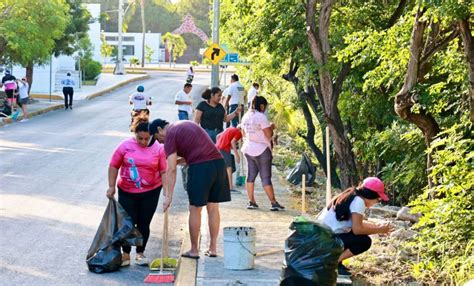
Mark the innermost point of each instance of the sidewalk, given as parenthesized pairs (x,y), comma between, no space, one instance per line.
(271,229)
(41,103)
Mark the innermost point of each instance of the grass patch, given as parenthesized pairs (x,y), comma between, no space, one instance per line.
(89,82)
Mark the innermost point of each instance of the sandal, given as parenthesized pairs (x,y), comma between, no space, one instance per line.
(208,253)
(188,255)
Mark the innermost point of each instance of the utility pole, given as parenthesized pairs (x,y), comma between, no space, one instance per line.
(119,65)
(215,39)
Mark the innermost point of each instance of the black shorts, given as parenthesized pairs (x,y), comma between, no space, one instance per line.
(207,182)
(229,159)
(355,243)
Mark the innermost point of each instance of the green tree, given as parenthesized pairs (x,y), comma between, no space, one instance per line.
(106,50)
(28,30)
(148,53)
(175,45)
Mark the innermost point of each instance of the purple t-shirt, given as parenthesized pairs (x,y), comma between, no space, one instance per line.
(190,142)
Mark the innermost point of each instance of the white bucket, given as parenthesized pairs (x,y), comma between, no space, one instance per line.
(239,247)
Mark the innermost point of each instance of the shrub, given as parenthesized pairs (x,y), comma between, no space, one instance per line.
(91,69)
(445,241)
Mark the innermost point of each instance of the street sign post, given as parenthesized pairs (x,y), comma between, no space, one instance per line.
(215,53)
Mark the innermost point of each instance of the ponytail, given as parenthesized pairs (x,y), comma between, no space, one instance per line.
(342,202)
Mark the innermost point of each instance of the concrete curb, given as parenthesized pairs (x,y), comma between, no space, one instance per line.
(186,270)
(107,90)
(33,113)
(46,96)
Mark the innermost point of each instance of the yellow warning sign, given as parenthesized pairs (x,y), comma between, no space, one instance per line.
(214,53)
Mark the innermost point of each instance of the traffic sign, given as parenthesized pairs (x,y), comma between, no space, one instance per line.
(233,58)
(215,53)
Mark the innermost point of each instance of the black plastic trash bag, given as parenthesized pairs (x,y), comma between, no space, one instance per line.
(304,166)
(115,229)
(311,254)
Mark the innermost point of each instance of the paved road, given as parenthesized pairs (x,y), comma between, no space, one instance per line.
(53,173)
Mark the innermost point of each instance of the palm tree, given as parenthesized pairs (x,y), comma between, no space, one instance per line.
(175,45)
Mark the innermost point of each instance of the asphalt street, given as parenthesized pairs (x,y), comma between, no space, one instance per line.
(53,179)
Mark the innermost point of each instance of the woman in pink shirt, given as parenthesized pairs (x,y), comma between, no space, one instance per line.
(257,133)
(139,185)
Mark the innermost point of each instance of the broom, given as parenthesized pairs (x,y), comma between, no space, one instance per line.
(161,277)
(240,178)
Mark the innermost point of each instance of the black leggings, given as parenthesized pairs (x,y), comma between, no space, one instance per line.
(141,207)
(355,243)
(68,94)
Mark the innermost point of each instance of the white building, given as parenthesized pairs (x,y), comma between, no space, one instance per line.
(132,45)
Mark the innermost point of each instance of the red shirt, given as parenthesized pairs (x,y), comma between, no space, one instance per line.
(190,141)
(225,139)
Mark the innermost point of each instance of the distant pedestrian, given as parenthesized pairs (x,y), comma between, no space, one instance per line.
(142,170)
(257,134)
(253,91)
(345,216)
(207,180)
(235,98)
(189,75)
(184,102)
(226,141)
(23,97)
(210,113)
(68,91)
(140,102)
(9,86)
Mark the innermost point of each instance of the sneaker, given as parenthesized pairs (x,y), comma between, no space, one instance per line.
(24,120)
(70,107)
(234,191)
(65,107)
(277,207)
(343,271)
(252,206)
(141,259)
(125,259)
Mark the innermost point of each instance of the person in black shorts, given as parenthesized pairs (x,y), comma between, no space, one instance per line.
(207,183)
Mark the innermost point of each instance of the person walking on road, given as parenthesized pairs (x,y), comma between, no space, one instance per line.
(184,102)
(235,98)
(142,170)
(257,134)
(68,91)
(23,97)
(210,113)
(207,180)
(226,141)
(345,216)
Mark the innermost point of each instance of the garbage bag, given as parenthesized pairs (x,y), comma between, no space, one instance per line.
(115,229)
(311,254)
(304,166)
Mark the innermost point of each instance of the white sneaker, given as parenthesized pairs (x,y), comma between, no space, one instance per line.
(141,259)
(24,120)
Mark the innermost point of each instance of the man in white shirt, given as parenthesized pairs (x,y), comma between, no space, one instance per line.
(252,93)
(235,98)
(184,102)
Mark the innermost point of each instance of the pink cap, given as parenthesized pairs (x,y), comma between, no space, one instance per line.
(376,185)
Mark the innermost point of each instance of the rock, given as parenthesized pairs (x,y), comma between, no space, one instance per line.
(382,259)
(400,224)
(404,214)
(403,234)
(405,256)
(383,211)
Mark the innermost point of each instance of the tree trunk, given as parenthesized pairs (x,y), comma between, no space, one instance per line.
(318,38)
(309,138)
(29,75)
(142,6)
(468,43)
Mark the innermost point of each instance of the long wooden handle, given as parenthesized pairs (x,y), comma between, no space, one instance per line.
(269,252)
(163,241)
(165,229)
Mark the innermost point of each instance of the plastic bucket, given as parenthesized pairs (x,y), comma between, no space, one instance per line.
(239,248)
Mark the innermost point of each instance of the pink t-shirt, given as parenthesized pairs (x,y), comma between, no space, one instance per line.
(139,166)
(255,141)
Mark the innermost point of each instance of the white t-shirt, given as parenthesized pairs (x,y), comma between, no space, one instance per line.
(139,100)
(23,90)
(345,226)
(236,93)
(182,96)
(251,94)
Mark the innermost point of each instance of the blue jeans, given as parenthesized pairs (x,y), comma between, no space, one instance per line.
(183,115)
(234,122)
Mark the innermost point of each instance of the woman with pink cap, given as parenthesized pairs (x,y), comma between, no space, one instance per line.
(345,216)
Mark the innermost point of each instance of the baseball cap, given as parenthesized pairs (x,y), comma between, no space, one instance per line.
(376,185)
(153,128)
